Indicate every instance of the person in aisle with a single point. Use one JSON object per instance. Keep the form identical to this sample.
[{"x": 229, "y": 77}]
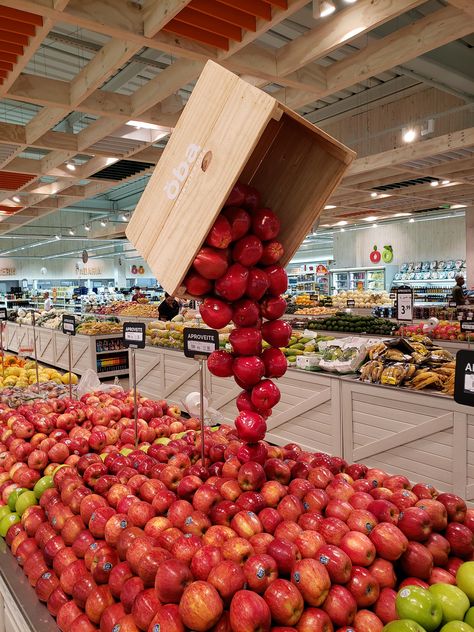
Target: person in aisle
[
  {"x": 48, "y": 303},
  {"x": 457, "y": 292},
  {"x": 169, "y": 308},
  {"x": 137, "y": 294}
]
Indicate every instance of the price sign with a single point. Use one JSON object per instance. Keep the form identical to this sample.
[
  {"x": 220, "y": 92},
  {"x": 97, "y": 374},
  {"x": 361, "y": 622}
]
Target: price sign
[
  {"x": 3, "y": 313},
  {"x": 464, "y": 378},
  {"x": 69, "y": 325},
  {"x": 314, "y": 297},
  {"x": 200, "y": 342},
  {"x": 351, "y": 302},
  {"x": 452, "y": 304},
  {"x": 134, "y": 335},
  {"x": 405, "y": 304},
  {"x": 393, "y": 296}
]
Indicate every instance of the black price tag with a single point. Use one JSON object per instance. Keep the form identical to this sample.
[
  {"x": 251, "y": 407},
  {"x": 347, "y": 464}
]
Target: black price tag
[
  {"x": 464, "y": 378},
  {"x": 69, "y": 325},
  {"x": 452, "y": 304},
  {"x": 467, "y": 326},
  {"x": 3, "y": 313},
  {"x": 351, "y": 302},
  {"x": 314, "y": 297},
  {"x": 200, "y": 342},
  {"x": 393, "y": 296},
  {"x": 134, "y": 335}
]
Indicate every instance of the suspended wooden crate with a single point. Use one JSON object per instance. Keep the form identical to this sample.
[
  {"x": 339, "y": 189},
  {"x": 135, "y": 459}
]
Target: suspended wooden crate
[{"x": 231, "y": 131}]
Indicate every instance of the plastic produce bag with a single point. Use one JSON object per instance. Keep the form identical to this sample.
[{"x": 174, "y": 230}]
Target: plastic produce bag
[
  {"x": 192, "y": 403},
  {"x": 344, "y": 355},
  {"x": 90, "y": 382}
]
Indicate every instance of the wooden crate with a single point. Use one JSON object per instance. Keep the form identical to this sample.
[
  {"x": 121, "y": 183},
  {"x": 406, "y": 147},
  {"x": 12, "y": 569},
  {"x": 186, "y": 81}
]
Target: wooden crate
[{"x": 231, "y": 131}]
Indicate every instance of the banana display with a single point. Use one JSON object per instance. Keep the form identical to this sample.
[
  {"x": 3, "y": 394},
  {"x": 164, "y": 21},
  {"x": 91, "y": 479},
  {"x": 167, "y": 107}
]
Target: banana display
[{"x": 415, "y": 363}]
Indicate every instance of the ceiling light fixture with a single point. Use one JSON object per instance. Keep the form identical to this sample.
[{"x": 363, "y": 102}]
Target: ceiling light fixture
[
  {"x": 410, "y": 221},
  {"x": 323, "y": 8},
  {"x": 434, "y": 183},
  {"x": 342, "y": 223},
  {"x": 58, "y": 237},
  {"x": 329, "y": 207},
  {"x": 87, "y": 226},
  {"x": 71, "y": 166},
  {"x": 371, "y": 218},
  {"x": 374, "y": 194},
  {"x": 402, "y": 214},
  {"x": 343, "y": 230},
  {"x": 445, "y": 182},
  {"x": 15, "y": 198},
  {"x": 350, "y": 1},
  {"x": 409, "y": 135},
  {"x": 103, "y": 223},
  {"x": 454, "y": 206},
  {"x": 124, "y": 217},
  {"x": 71, "y": 231},
  {"x": 374, "y": 225}
]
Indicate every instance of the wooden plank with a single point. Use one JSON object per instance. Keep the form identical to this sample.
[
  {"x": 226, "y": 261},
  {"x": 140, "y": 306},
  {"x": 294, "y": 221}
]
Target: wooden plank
[
  {"x": 211, "y": 24},
  {"x": 197, "y": 34},
  {"x": 463, "y": 5},
  {"x": 158, "y": 14},
  {"x": 338, "y": 30},
  {"x": 301, "y": 408},
  {"x": 226, "y": 13}
]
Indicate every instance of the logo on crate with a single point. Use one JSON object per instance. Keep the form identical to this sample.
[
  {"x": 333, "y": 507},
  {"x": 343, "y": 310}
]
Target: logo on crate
[{"x": 173, "y": 187}]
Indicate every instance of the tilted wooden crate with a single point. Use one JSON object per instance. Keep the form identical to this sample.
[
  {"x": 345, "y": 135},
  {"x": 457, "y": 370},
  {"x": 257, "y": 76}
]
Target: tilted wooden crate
[{"x": 231, "y": 131}]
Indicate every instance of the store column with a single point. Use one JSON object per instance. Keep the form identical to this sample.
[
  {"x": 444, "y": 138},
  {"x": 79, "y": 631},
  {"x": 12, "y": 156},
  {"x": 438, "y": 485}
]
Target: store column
[{"x": 470, "y": 248}]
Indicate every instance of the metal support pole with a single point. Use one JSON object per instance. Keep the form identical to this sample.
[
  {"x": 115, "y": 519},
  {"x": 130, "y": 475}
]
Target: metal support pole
[
  {"x": 135, "y": 403},
  {"x": 2, "y": 350},
  {"x": 35, "y": 351},
  {"x": 201, "y": 402},
  {"x": 70, "y": 366}
]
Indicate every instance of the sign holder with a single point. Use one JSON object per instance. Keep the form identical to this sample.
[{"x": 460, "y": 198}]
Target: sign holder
[
  {"x": 134, "y": 335},
  {"x": 405, "y": 304},
  {"x": 3, "y": 320},
  {"x": 464, "y": 378},
  {"x": 69, "y": 328},
  {"x": 199, "y": 344},
  {"x": 35, "y": 350}
]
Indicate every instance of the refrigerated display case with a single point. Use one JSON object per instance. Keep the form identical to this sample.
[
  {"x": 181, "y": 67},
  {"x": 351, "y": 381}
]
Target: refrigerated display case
[
  {"x": 339, "y": 282},
  {"x": 357, "y": 280},
  {"x": 374, "y": 279}
]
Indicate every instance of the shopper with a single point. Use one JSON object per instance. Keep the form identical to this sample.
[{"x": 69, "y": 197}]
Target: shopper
[
  {"x": 457, "y": 292},
  {"x": 169, "y": 308},
  {"x": 48, "y": 303},
  {"x": 138, "y": 294}
]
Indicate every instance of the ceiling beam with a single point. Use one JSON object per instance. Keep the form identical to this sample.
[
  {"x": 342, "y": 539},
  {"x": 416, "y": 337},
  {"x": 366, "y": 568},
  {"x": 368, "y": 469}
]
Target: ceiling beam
[
  {"x": 158, "y": 14},
  {"x": 464, "y": 5}
]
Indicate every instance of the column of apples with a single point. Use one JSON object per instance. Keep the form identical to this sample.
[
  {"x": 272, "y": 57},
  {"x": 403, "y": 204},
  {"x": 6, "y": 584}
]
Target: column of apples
[{"x": 238, "y": 276}]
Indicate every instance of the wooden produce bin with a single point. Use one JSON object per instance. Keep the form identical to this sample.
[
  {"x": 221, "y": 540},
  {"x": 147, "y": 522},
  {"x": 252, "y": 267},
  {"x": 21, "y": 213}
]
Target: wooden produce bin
[
  {"x": 85, "y": 355},
  {"x": 230, "y": 131}
]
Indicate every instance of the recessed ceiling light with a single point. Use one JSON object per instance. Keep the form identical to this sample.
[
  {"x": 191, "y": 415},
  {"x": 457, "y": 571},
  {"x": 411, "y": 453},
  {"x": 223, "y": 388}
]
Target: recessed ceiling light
[
  {"x": 343, "y": 230},
  {"x": 71, "y": 231},
  {"x": 373, "y": 194},
  {"x": 323, "y": 8},
  {"x": 328, "y": 207},
  {"x": 411, "y": 220},
  {"x": 342, "y": 223},
  {"x": 374, "y": 225},
  {"x": 71, "y": 166},
  {"x": 103, "y": 222},
  {"x": 87, "y": 226},
  {"x": 434, "y": 183},
  {"x": 124, "y": 217},
  {"x": 57, "y": 237},
  {"x": 371, "y": 218},
  {"x": 15, "y": 198},
  {"x": 454, "y": 206},
  {"x": 401, "y": 214},
  {"x": 350, "y": 1},
  {"x": 409, "y": 135},
  {"x": 445, "y": 181}
]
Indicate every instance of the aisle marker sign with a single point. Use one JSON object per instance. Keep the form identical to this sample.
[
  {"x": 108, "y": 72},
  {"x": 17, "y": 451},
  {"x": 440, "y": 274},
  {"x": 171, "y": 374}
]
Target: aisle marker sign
[
  {"x": 405, "y": 304},
  {"x": 69, "y": 325},
  {"x": 134, "y": 335},
  {"x": 200, "y": 342},
  {"x": 464, "y": 378}
]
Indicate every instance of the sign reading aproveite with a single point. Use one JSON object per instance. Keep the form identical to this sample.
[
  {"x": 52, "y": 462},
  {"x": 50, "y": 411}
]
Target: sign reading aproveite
[
  {"x": 200, "y": 342},
  {"x": 405, "y": 304},
  {"x": 464, "y": 378},
  {"x": 69, "y": 325},
  {"x": 467, "y": 326},
  {"x": 134, "y": 335}
]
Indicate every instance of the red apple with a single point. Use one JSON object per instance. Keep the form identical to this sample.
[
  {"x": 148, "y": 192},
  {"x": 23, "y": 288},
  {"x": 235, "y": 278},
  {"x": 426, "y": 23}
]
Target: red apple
[
  {"x": 285, "y": 601},
  {"x": 340, "y": 605},
  {"x": 363, "y": 586},
  {"x": 227, "y": 577},
  {"x": 417, "y": 560},
  {"x": 390, "y": 543},
  {"x": 249, "y": 612},
  {"x": 215, "y": 313},
  {"x": 171, "y": 579},
  {"x": 312, "y": 579},
  {"x": 338, "y": 564}
]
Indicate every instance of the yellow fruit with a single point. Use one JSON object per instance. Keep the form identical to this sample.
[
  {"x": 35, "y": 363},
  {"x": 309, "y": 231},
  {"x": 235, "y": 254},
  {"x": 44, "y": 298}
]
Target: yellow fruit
[{"x": 69, "y": 377}]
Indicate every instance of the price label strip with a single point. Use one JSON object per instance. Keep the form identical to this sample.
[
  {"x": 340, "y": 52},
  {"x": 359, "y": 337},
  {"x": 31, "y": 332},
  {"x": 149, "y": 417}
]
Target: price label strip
[
  {"x": 134, "y": 335},
  {"x": 200, "y": 342},
  {"x": 405, "y": 304},
  {"x": 69, "y": 325}
]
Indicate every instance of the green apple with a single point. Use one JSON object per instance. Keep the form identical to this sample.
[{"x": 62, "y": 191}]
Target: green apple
[
  {"x": 403, "y": 625},
  {"x": 469, "y": 618},
  {"x": 56, "y": 469},
  {"x": 414, "y": 602},
  {"x": 42, "y": 485},
  {"x": 457, "y": 626},
  {"x": 24, "y": 501},
  {"x": 7, "y": 521},
  {"x": 214, "y": 428},
  {"x": 144, "y": 448},
  {"x": 162, "y": 440},
  {"x": 126, "y": 451},
  {"x": 103, "y": 456},
  {"x": 4, "y": 511},
  {"x": 13, "y": 497},
  {"x": 465, "y": 579},
  {"x": 454, "y": 603}
]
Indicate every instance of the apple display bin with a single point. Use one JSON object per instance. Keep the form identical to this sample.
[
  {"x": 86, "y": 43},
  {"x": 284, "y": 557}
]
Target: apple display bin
[
  {"x": 52, "y": 349},
  {"x": 20, "y": 609},
  {"x": 230, "y": 131},
  {"x": 425, "y": 436}
]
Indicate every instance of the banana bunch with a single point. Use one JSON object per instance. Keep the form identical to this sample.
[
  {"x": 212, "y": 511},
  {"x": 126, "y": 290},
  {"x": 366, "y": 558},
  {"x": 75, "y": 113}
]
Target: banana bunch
[
  {"x": 376, "y": 350},
  {"x": 371, "y": 372},
  {"x": 424, "y": 378},
  {"x": 394, "y": 374}
]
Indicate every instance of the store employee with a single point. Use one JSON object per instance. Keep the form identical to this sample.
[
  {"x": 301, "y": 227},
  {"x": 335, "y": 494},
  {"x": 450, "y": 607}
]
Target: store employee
[
  {"x": 48, "y": 303},
  {"x": 457, "y": 292},
  {"x": 138, "y": 294},
  {"x": 169, "y": 308}
]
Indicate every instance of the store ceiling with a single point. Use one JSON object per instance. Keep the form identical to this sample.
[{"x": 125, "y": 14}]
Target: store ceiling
[{"x": 91, "y": 89}]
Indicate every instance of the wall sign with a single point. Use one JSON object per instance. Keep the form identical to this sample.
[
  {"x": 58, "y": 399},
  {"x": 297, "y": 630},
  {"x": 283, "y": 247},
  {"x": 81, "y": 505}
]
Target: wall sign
[
  {"x": 134, "y": 335},
  {"x": 69, "y": 325},
  {"x": 464, "y": 378},
  {"x": 375, "y": 255},
  {"x": 200, "y": 342},
  {"x": 387, "y": 254},
  {"x": 404, "y": 304}
]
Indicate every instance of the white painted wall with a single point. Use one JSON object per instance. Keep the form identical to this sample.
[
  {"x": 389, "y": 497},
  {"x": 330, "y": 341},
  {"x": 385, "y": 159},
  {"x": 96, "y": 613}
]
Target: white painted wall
[
  {"x": 56, "y": 269},
  {"x": 420, "y": 241}
]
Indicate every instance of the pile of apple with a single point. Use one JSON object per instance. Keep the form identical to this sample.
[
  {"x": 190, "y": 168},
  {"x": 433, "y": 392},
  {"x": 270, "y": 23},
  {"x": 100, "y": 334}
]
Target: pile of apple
[
  {"x": 237, "y": 272},
  {"x": 122, "y": 539}
]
